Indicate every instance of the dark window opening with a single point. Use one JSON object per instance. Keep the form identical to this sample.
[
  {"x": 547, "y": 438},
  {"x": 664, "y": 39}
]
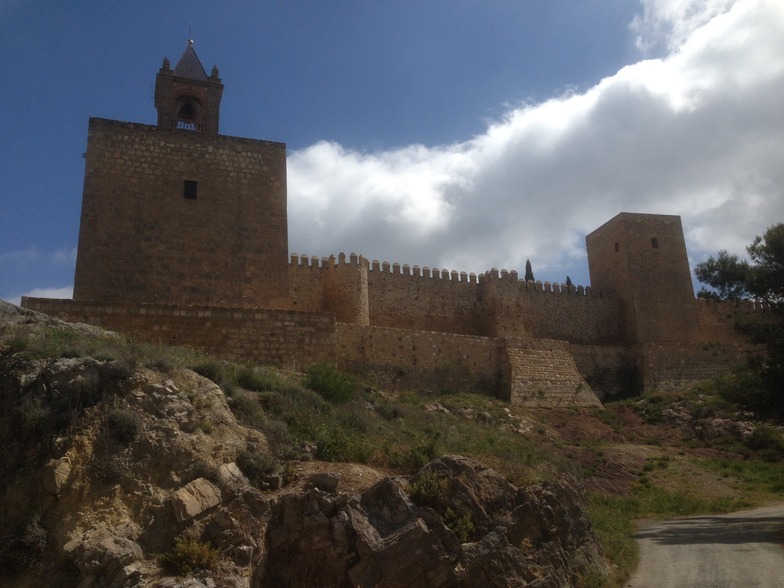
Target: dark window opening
[
  {"x": 616, "y": 247},
  {"x": 655, "y": 243},
  {"x": 187, "y": 112},
  {"x": 189, "y": 189}
]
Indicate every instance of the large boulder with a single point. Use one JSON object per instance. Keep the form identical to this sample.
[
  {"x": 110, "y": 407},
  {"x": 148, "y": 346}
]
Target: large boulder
[{"x": 537, "y": 536}]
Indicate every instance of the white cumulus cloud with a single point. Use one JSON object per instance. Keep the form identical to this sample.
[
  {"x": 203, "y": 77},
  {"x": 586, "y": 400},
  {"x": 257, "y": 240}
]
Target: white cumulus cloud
[{"x": 697, "y": 131}]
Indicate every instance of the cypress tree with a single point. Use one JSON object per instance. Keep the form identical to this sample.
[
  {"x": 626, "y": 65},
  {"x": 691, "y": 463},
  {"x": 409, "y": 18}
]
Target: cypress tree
[{"x": 529, "y": 274}]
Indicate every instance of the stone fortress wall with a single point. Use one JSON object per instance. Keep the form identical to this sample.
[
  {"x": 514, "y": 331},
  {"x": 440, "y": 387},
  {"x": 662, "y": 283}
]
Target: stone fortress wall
[{"x": 183, "y": 240}]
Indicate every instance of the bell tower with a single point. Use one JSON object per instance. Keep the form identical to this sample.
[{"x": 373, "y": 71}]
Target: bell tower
[
  {"x": 179, "y": 214},
  {"x": 185, "y": 97}
]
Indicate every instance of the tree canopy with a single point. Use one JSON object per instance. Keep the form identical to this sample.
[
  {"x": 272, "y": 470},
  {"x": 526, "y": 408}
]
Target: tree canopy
[{"x": 761, "y": 278}]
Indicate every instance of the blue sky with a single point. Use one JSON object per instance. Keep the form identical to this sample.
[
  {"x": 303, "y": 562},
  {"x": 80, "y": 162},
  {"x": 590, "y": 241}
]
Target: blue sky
[{"x": 455, "y": 134}]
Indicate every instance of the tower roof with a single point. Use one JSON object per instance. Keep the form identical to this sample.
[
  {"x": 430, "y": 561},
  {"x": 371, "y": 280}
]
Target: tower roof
[{"x": 189, "y": 65}]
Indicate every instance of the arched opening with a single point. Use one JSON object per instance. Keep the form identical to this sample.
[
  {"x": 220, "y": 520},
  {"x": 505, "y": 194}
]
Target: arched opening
[{"x": 187, "y": 112}]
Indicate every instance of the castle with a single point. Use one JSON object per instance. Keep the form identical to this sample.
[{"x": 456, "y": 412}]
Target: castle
[{"x": 184, "y": 240}]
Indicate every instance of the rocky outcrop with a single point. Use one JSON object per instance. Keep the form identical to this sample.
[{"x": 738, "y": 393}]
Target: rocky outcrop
[
  {"x": 537, "y": 536},
  {"x": 107, "y": 464}
]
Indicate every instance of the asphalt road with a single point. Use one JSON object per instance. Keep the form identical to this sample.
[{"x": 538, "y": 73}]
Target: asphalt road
[{"x": 739, "y": 550}]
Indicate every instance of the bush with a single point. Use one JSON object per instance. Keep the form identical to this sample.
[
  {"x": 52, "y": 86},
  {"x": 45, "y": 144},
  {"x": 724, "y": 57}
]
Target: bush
[
  {"x": 123, "y": 425},
  {"x": 332, "y": 384},
  {"x": 768, "y": 442},
  {"x": 24, "y": 548},
  {"x": 202, "y": 469},
  {"x": 255, "y": 465},
  {"x": 461, "y": 526},
  {"x": 34, "y": 420},
  {"x": 187, "y": 555},
  {"x": 336, "y": 442},
  {"x": 429, "y": 490},
  {"x": 17, "y": 344},
  {"x": 256, "y": 380},
  {"x": 211, "y": 370}
]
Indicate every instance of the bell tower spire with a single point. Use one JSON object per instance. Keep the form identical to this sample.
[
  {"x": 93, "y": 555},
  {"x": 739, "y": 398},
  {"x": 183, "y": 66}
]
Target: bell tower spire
[{"x": 185, "y": 97}]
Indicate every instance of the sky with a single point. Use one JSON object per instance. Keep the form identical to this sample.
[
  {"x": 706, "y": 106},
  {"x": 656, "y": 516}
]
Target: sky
[{"x": 458, "y": 134}]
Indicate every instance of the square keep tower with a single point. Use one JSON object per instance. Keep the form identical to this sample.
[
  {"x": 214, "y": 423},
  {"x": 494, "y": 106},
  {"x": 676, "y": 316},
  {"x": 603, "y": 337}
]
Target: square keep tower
[{"x": 641, "y": 259}]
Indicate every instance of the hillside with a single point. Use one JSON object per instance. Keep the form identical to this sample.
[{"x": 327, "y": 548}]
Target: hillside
[{"x": 133, "y": 465}]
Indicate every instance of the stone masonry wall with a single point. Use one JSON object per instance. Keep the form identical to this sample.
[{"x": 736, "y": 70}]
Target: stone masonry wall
[
  {"x": 276, "y": 337},
  {"x": 671, "y": 365},
  {"x": 717, "y": 319},
  {"x": 549, "y": 311},
  {"x": 420, "y": 359},
  {"x": 143, "y": 239},
  {"x": 425, "y": 299}
]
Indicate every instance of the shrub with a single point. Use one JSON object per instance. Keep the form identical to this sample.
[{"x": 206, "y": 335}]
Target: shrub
[
  {"x": 212, "y": 370},
  {"x": 123, "y": 425},
  {"x": 246, "y": 408},
  {"x": 462, "y": 526},
  {"x": 255, "y": 465},
  {"x": 187, "y": 555},
  {"x": 768, "y": 442},
  {"x": 206, "y": 425},
  {"x": 25, "y": 547},
  {"x": 17, "y": 344},
  {"x": 257, "y": 380},
  {"x": 335, "y": 442},
  {"x": 202, "y": 469},
  {"x": 332, "y": 384},
  {"x": 109, "y": 470},
  {"x": 429, "y": 490},
  {"x": 34, "y": 419}
]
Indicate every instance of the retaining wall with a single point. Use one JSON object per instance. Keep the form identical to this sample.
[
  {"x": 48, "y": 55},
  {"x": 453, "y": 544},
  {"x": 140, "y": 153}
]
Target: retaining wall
[{"x": 275, "y": 337}]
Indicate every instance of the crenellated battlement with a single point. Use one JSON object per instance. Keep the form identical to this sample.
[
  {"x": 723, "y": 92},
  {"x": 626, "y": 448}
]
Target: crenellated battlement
[
  {"x": 426, "y": 272},
  {"x": 296, "y": 260}
]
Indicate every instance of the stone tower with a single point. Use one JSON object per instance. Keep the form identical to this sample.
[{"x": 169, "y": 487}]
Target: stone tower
[
  {"x": 641, "y": 259},
  {"x": 185, "y": 97},
  {"x": 178, "y": 214}
]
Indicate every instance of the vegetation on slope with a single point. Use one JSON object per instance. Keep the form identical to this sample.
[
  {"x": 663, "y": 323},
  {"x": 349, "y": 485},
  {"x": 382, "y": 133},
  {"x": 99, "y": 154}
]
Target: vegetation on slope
[{"x": 650, "y": 456}]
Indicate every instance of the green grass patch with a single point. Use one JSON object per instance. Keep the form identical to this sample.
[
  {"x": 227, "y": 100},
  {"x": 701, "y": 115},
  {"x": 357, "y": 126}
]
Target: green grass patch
[
  {"x": 612, "y": 519},
  {"x": 756, "y": 476},
  {"x": 612, "y": 523}
]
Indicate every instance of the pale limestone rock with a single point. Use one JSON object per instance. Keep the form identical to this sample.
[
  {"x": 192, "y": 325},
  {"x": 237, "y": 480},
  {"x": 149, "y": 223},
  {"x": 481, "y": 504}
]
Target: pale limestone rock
[
  {"x": 194, "y": 498},
  {"x": 56, "y": 475},
  {"x": 231, "y": 476}
]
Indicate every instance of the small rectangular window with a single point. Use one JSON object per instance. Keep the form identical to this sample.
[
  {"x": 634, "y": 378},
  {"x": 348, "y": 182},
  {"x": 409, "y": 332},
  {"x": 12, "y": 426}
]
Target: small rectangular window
[
  {"x": 655, "y": 243},
  {"x": 189, "y": 189}
]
